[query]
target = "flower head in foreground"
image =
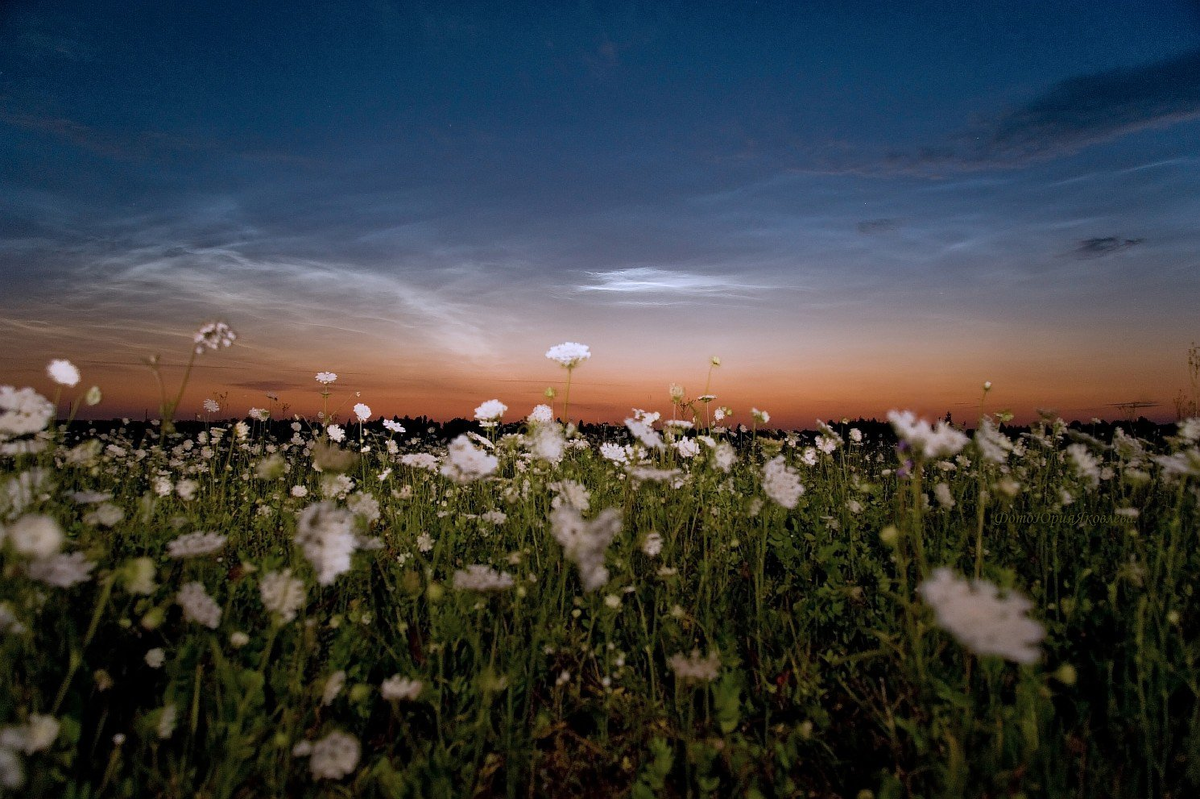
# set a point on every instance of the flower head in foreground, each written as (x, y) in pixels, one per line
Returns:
(334, 756)
(569, 354)
(213, 336)
(396, 688)
(362, 412)
(198, 606)
(781, 482)
(930, 441)
(585, 542)
(325, 378)
(282, 594)
(465, 464)
(980, 619)
(490, 412)
(193, 545)
(326, 534)
(63, 372)
(481, 578)
(694, 667)
(23, 411)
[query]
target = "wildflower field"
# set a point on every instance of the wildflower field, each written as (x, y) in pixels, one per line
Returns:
(684, 606)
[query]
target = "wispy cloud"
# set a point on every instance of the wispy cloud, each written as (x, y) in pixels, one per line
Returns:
(1107, 245)
(650, 286)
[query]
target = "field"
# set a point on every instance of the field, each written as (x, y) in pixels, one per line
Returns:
(284, 607)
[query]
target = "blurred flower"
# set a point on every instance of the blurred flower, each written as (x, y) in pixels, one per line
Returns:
(192, 545)
(23, 411)
(282, 594)
(585, 542)
(465, 464)
(326, 534)
(326, 378)
(983, 621)
(694, 667)
(781, 483)
(63, 372)
(396, 688)
(334, 756)
(198, 606)
(481, 578)
(213, 336)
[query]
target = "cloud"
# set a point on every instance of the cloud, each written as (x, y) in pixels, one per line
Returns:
(1072, 115)
(1099, 247)
(870, 227)
(650, 286)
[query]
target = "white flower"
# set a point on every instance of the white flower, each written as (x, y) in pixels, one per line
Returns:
(541, 414)
(213, 336)
(336, 433)
(643, 431)
(104, 515)
(781, 483)
(192, 545)
(12, 773)
(983, 621)
(419, 460)
(333, 687)
(931, 442)
(1085, 464)
(397, 688)
(547, 442)
(362, 411)
(326, 534)
(186, 489)
(63, 372)
(155, 657)
(34, 535)
(1189, 429)
(762, 417)
(484, 579)
(614, 452)
(942, 492)
(282, 594)
(211, 406)
(62, 571)
(687, 447)
(393, 426)
(652, 544)
(425, 542)
(259, 414)
(238, 639)
(694, 667)
(490, 411)
(585, 542)
(198, 606)
(168, 716)
(569, 354)
(325, 378)
(23, 411)
(465, 464)
(724, 456)
(570, 492)
(334, 756)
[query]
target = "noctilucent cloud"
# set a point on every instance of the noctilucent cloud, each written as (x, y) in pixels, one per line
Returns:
(857, 206)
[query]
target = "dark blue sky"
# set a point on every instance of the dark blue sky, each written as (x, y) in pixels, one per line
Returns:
(858, 205)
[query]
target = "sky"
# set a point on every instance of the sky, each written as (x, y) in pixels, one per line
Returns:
(857, 206)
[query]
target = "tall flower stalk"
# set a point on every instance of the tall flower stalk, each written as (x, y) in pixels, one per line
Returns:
(568, 355)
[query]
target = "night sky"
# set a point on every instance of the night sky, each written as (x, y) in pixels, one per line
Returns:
(857, 206)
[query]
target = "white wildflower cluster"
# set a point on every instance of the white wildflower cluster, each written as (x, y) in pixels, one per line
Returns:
(392, 426)
(1085, 464)
(541, 414)
(362, 412)
(23, 412)
(695, 667)
(481, 578)
(194, 545)
(723, 456)
(331, 758)
(781, 482)
(465, 463)
(928, 441)
(546, 442)
(282, 594)
(570, 492)
(63, 372)
(34, 535)
(326, 378)
(420, 460)
(585, 542)
(641, 426)
(992, 444)
(490, 413)
(687, 448)
(326, 534)
(212, 336)
(400, 689)
(569, 354)
(35, 735)
(615, 452)
(981, 619)
(62, 570)
(198, 606)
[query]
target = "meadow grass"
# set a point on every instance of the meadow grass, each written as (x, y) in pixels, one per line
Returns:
(757, 615)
